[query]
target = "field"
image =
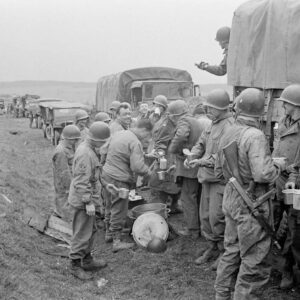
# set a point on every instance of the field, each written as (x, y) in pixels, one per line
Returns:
(28, 273)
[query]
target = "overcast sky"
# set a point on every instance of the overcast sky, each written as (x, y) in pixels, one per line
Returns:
(82, 40)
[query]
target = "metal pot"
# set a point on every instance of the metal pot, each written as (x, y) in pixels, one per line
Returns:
(158, 208)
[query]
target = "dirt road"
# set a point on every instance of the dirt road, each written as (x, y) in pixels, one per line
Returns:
(27, 273)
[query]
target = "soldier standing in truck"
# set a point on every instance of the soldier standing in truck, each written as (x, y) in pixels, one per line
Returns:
(222, 36)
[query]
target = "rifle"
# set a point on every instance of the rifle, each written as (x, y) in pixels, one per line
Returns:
(231, 155)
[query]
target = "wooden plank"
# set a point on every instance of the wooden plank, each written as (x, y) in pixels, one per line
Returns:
(60, 225)
(58, 235)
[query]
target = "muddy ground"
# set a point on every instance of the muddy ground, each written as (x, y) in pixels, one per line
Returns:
(28, 273)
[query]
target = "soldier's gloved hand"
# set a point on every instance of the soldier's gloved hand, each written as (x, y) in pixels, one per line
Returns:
(290, 185)
(90, 209)
(203, 65)
(186, 164)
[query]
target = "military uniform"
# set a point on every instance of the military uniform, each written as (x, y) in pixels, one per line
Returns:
(187, 133)
(211, 215)
(84, 189)
(243, 268)
(221, 69)
(62, 161)
(116, 126)
(288, 147)
(162, 134)
(124, 159)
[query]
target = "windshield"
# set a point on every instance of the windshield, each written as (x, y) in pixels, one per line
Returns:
(172, 90)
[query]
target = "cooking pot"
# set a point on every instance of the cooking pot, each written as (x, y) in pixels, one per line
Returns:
(158, 208)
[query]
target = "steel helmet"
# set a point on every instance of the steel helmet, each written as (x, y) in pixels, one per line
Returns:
(146, 227)
(218, 99)
(81, 115)
(291, 94)
(161, 100)
(250, 103)
(99, 132)
(177, 108)
(71, 132)
(115, 105)
(157, 245)
(223, 34)
(102, 116)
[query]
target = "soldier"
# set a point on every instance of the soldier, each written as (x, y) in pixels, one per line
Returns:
(84, 193)
(113, 108)
(162, 134)
(123, 118)
(62, 161)
(211, 215)
(102, 117)
(186, 135)
(243, 268)
(124, 159)
(288, 147)
(223, 35)
(81, 121)
(144, 112)
(160, 105)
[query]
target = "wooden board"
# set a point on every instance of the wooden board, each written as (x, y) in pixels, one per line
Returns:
(58, 235)
(60, 225)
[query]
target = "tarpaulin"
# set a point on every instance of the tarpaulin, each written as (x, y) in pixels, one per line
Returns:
(264, 47)
(117, 86)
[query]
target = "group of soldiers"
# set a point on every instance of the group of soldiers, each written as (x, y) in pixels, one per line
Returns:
(92, 163)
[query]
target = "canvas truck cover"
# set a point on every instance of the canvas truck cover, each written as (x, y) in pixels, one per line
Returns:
(264, 47)
(117, 86)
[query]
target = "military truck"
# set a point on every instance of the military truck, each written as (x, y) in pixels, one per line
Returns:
(264, 53)
(142, 85)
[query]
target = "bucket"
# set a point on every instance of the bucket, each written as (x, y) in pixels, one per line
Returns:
(296, 199)
(288, 196)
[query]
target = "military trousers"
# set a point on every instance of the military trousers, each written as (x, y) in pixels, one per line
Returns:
(292, 244)
(190, 198)
(84, 231)
(211, 214)
(62, 207)
(115, 208)
(243, 269)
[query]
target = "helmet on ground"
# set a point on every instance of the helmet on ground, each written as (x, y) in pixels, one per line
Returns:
(157, 245)
(250, 103)
(81, 115)
(218, 99)
(102, 116)
(291, 94)
(115, 105)
(177, 108)
(71, 132)
(161, 100)
(99, 132)
(223, 34)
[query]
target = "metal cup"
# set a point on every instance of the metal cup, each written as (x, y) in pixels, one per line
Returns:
(123, 193)
(190, 157)
(161, 175)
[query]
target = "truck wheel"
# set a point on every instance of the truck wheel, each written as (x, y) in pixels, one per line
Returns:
(44, 131)
(49, 132)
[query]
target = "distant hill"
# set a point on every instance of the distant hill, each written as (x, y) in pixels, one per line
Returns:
(83, 92)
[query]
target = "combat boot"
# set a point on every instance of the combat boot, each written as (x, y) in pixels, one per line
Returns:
(119, 245)
(215, 264)
(77, 271)
(211, 252)
(287, 280)
(89, 264)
